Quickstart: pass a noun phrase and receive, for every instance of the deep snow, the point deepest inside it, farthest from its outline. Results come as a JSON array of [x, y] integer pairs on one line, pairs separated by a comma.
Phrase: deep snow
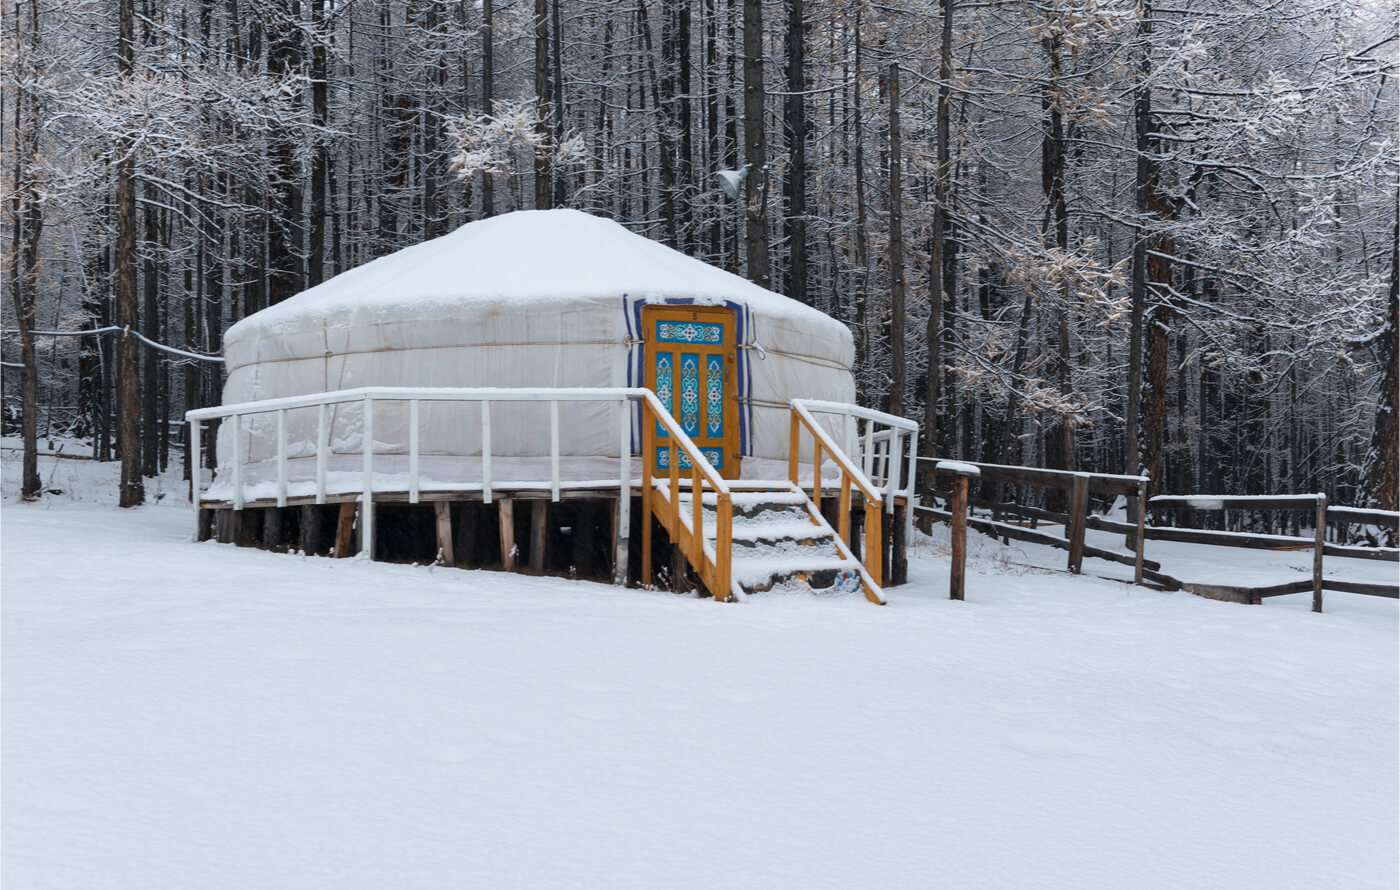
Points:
[[181, 715]]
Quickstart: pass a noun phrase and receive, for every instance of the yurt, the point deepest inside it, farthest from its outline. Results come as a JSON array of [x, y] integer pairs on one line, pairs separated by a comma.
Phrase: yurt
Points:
[[553, 299]]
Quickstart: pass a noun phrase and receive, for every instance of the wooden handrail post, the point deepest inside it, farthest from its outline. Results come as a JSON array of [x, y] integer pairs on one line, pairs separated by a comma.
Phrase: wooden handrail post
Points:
[[724, 545], [1319, 546], [957, 572], [674, 469], [817, 473], [1078, 513], [874, 540], [697, 516], [843, 519], [794, 445]]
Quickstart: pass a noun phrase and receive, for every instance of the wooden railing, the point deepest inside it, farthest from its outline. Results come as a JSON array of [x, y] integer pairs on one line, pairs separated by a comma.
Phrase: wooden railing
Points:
[[1076, 487], [852, 479], [1323, 513], [712, 564]]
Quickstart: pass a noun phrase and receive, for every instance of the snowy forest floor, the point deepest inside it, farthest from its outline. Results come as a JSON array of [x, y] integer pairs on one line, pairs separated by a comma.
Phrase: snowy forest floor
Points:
[[182, 715]]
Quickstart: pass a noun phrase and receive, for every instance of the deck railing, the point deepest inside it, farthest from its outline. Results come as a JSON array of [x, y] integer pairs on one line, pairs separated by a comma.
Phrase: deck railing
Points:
[[369, 397], [852, 477], [885, 446], [712, 563]]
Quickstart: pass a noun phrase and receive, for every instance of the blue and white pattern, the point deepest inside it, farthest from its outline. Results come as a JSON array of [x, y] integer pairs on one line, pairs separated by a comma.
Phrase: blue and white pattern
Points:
[[690, 393], [664, 385], [715, 457], [714, 395], [689, 332]]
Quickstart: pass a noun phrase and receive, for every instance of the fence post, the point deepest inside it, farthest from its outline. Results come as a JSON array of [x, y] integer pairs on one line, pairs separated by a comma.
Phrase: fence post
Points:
[[196, 477], [957, 572], [1078, 510], [957, 508], [1318, 547], [1140, 543]]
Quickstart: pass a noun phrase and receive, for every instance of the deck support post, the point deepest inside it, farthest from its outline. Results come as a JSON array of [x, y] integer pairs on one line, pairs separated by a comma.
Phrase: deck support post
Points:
[[442, 514], [344, 529], [505, 510], [539, 517], [311, 534], [465, 549], [272, 528]]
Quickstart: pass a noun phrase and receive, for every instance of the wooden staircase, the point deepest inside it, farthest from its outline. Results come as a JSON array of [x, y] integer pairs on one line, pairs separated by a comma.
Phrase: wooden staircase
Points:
[[751, 536]]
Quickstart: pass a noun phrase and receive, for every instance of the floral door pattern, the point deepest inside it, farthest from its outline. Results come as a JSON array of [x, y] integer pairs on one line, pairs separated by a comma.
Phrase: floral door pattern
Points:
[[690, 367]]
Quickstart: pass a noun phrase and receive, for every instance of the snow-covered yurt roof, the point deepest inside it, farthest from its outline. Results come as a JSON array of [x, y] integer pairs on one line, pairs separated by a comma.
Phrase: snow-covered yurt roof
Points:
[[526, 261], [532, 299]]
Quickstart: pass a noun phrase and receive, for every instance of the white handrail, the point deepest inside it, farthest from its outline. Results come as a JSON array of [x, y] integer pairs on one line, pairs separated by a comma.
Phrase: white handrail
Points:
[[898, 464], [367, 396]]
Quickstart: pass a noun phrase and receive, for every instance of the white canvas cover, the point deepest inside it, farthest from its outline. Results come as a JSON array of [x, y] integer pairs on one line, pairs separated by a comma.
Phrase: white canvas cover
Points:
[[531, 298]]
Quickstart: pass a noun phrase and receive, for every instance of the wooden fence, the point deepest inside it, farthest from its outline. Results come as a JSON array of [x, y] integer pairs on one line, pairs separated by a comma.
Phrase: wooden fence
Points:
[[950, 480], [1076, 488], [1323, 516]]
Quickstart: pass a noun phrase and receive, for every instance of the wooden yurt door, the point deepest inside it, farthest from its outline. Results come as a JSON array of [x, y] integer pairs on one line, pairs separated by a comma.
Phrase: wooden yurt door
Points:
[[691, 366]]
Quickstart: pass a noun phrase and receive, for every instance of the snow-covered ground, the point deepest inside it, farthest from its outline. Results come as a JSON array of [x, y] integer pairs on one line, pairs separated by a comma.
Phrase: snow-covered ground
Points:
[[182, 715]]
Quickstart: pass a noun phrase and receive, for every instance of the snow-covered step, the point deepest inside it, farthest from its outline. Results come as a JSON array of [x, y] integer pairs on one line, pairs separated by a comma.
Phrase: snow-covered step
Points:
[[761, 573]]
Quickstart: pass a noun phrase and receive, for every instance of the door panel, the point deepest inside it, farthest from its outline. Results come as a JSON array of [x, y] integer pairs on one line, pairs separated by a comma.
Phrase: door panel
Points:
[[691, 367]]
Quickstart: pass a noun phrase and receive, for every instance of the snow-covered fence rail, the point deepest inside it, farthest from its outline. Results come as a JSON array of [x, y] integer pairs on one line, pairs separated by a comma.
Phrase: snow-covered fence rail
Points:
[[1077, 487], [1322, 515], [369, 397]]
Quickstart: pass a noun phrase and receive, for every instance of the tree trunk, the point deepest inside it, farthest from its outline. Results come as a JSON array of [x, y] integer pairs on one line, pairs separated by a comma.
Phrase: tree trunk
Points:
[[488, 188], [544, 188], [795, 183], [1382, 465], [755, 149], [937, 293], [132, 491], [895, 400]]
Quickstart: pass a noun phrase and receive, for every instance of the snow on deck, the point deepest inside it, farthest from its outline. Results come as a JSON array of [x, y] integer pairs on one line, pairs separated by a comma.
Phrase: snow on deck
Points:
[[199, 715]]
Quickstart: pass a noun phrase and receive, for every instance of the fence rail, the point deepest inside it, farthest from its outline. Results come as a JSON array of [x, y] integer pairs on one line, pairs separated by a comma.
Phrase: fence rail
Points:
[[1323, 513], [1076, 486]]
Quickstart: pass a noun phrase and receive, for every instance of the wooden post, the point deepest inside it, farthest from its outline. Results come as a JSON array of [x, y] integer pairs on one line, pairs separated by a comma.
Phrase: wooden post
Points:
[[899, 546], [311, 532], [442, 512], [344, 529], [957, 572], [724, 546], [817, 473], [1078, 512], [505, 510], [1321, 544], [272, 528], [874, 540], [204, 518], [843, 510], [465, 534], [1141, 543], [679, 583], [539, 517], [794, 445]]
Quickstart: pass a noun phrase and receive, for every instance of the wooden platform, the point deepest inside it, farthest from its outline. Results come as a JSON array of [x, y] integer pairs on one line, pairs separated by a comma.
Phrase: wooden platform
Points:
[[524, 530]]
